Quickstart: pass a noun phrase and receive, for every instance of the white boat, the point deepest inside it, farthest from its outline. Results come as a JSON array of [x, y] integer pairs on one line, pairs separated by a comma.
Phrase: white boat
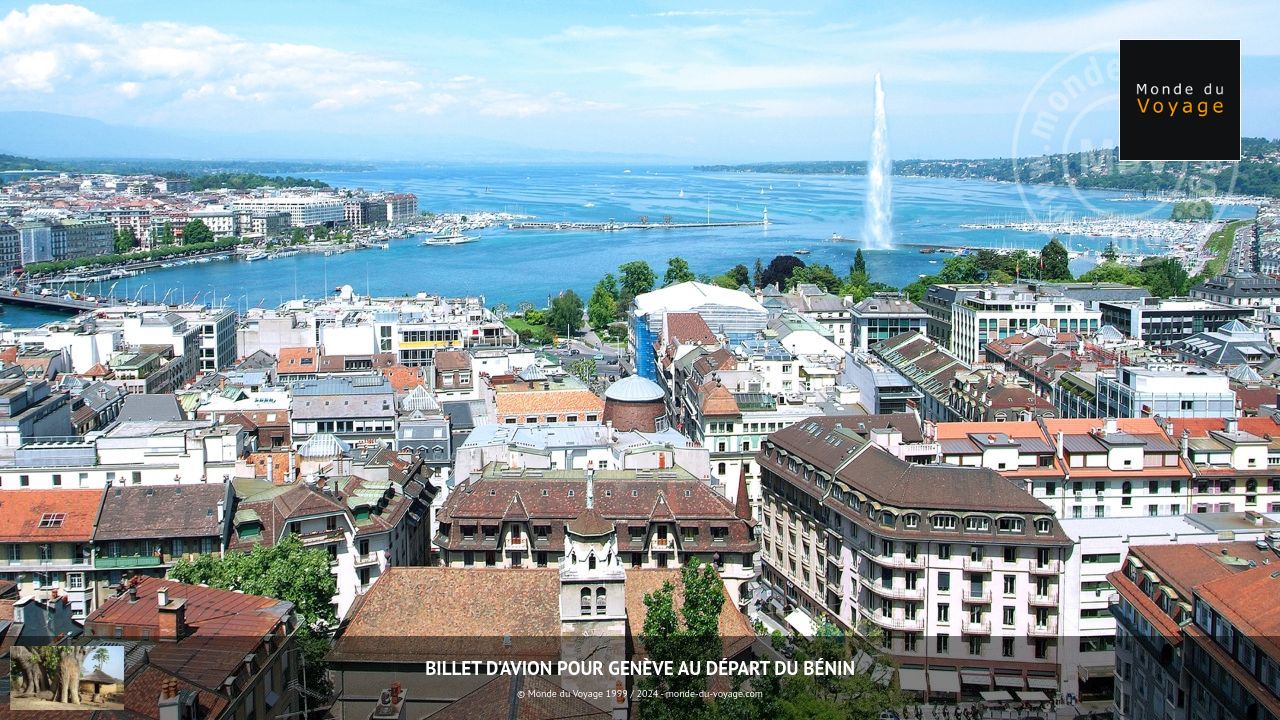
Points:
[[836, 237], [589, 205], [452, 238], [802, 252], [255, 255]]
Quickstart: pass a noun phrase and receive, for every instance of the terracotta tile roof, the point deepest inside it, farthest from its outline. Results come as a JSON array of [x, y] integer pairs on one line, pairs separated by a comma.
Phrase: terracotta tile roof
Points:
[[423, 613], [452, 360], [1183, 566], [224, 627], [1082, 426], [98, 371], [520, 697], [160, 512], [143, 690], [955, 430], [402, 378], [549, 402], [298, 360], [717, 400], [9, 354], [687, 328], [1200, 427], [736, 633], [1248, 601], [62, 515]]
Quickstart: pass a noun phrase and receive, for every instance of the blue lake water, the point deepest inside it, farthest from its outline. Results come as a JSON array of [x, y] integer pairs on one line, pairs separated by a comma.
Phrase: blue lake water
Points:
[[514, 265]]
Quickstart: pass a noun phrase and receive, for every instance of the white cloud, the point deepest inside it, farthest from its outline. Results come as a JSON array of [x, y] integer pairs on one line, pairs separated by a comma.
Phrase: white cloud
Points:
[[199, 71]]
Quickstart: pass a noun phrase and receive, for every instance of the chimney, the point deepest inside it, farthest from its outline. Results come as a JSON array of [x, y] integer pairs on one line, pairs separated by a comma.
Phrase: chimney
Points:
[[133, 595], [591, 486], [173, 620], [222, 510], [391, 704], [162, 595], [1232, 424], [1185, 443], [1110, 426], [1058, 450]]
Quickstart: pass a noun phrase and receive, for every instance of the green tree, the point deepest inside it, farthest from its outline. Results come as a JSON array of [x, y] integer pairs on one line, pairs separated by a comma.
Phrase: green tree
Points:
[[860, 696], [196, 232], [565, 313], [779, 271], [166, 235], [821, 275], [1054, 261], [637, 278], [321, 232], [1165, 277], [739, 275], [677, 272], [859, 262], [287, 571], [297, 236], [602, 308], [696, 640], [125, 241], [757, 274], [584, 368], [1111, 254]]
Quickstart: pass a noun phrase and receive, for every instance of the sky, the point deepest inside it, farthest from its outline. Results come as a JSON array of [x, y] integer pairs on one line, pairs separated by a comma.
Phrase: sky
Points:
[[684, 80]]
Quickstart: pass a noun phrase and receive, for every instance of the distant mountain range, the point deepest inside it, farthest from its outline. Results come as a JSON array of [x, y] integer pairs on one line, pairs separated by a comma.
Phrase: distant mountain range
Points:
[[1258, 170], [52, 136]]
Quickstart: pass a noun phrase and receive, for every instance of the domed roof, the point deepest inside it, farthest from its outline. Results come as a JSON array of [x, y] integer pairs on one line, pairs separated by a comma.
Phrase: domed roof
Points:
[[323, 445], [634, 389]]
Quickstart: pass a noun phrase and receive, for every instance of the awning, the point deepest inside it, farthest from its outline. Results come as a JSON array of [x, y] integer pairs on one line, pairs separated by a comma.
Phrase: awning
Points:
[[1014, 681], [801, 623], [976, 677], [996, 696], [944, 681], [1044, 683], [911, 679], [1033, 696]]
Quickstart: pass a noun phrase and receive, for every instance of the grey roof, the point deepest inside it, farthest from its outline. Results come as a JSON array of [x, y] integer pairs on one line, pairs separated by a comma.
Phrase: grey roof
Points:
[[160, 512], [360, 385], [99, 395], [323, 445], [419, 399], [342, 406], [634, 388], [150, 408], [460, 415]]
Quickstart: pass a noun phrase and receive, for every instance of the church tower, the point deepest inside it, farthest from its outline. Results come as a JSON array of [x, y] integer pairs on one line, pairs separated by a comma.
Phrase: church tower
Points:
[[593, 605]]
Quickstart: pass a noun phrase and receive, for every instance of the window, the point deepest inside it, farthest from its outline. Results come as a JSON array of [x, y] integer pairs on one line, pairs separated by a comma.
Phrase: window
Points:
[[51, 520], [24, 481], [944, 581], [1008, 617], [585, 603], [601, 603], [1011, 525], [490, 558], [944, 551], [944, 613], [1010, 554], [1010, 584], [57, 480], [941, 644], [1006, 646]]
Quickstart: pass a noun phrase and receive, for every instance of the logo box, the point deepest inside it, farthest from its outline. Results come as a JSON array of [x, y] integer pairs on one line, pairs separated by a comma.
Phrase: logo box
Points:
[[1180, 100]]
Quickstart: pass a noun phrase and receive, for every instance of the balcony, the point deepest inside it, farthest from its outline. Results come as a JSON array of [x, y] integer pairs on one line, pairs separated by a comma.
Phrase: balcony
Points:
[[1052, 567], [1043, 600], [517, 543], [663, 544], [324, 537], [1048, 628], [50, 564], [972, 565], [982, 627], [368, 559], [897, 623], [977, 596], [896, 593], [893, 561], [128, 561]]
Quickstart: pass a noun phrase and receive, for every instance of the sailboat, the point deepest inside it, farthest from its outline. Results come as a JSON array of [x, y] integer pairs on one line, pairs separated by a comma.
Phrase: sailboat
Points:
[[681, 192]]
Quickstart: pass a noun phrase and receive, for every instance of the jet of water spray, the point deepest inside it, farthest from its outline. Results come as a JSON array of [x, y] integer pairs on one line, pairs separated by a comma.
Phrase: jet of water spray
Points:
[[878, 231]]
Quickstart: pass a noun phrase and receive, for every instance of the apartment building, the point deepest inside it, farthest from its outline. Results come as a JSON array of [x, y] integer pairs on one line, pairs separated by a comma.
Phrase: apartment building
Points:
[[401, 207], [10, 248], [815, 304], [365, 523], [1163, 321], [48, 543], [882, 316], [352, 408], [930, 368], [996, 312], [304, 210], [131, 452], [1195, 629], [517, 517], [958, 568], [1235, 463], [1255, 291], [208, 653]]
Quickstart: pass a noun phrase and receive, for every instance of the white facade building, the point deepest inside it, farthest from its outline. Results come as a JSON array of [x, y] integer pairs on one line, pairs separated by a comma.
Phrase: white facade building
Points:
[[304, 210]]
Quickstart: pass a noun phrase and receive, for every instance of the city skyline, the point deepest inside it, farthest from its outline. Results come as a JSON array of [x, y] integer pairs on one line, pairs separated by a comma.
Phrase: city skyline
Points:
[[711, 82]]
